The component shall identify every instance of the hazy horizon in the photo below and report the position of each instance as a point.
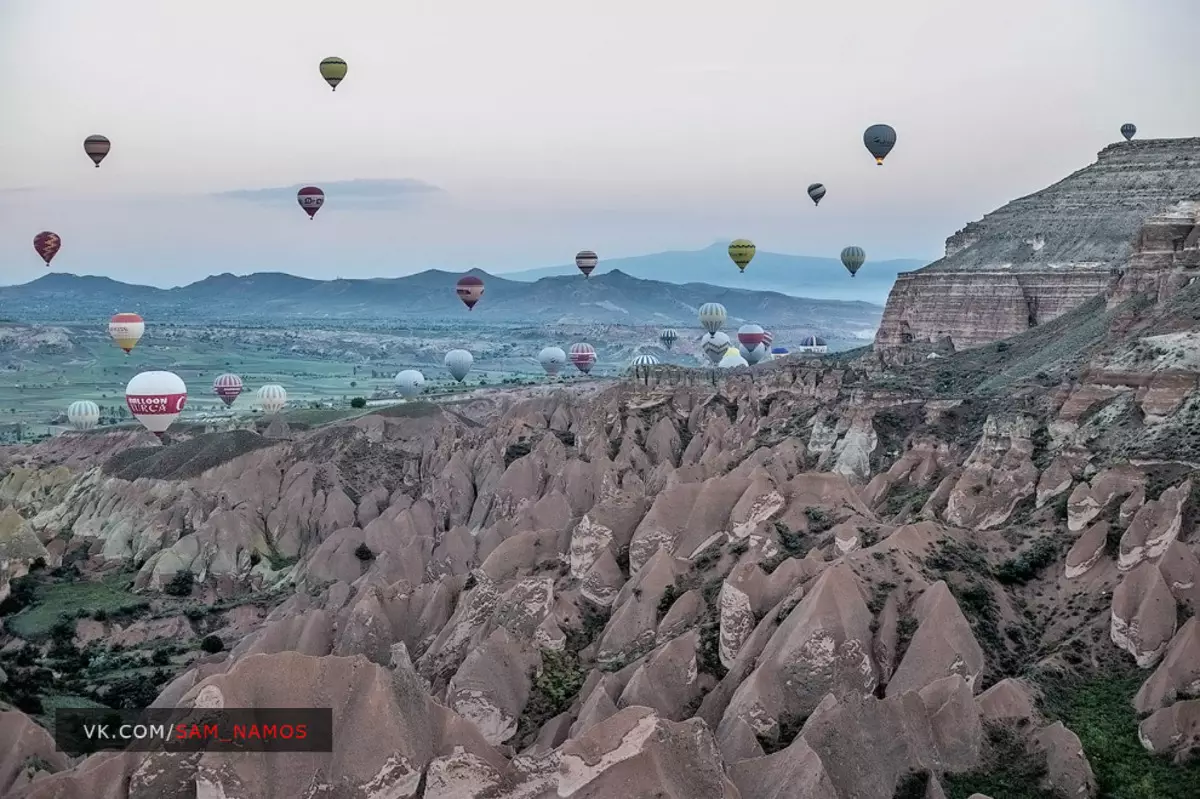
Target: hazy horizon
(544, 128)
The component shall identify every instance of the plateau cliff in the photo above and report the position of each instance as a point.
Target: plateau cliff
(1042, 255)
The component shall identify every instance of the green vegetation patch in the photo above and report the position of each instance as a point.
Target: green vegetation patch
(1098, 708)
(1009, 770)
(53, 601)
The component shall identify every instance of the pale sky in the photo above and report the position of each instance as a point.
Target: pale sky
(555, 125)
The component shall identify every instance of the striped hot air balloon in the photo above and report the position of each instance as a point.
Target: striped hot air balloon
(272, 397)
(768, 337)
(469, 289)
(741, 252)
(853, 258)
(714, 345)
(311, 199)
(83, 414)
(815, 192)
(47, 244)
(668, 337)
(126, 330)
(750, 335)
(586, 260)
(583, 356)
(712, 316)
(333, 70)
(228, 387)
(97, 148)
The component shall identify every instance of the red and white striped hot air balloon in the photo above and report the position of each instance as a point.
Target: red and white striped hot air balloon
(126, 330)
(311, 199)
(228, 387)
(156, 399)
(767, 338)
(583, 356)
(469, 289)
(750, 336)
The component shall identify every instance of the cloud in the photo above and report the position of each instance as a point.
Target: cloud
(359, 193)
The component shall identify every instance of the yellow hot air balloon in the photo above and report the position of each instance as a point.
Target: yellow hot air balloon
(741, 251)
(333, 70)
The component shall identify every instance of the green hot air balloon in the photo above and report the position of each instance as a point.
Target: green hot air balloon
(853, 258)
(333, 70)
(879, 140)
(742, 252)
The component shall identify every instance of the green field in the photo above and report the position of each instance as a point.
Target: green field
(55, 600)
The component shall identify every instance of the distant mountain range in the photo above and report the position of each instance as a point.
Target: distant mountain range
(610, 298)
(797, 275)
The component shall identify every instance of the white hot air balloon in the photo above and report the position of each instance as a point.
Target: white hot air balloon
(714, 345)
(409, 383)
(731, 358)
(156, 399)
(712, 316)
(552, 359)
(752, 355)
(459, 362)
(272, 397)
(83, 414)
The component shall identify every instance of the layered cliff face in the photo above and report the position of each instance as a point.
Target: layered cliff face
(1042, 255)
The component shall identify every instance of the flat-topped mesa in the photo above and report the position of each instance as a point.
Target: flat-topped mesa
(1042, 255)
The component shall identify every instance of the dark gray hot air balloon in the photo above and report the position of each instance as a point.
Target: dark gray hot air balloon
(816, 191)
(880, 139)
(853, 258)
(1129, 130)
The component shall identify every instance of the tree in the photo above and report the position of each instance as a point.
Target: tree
(212, 644)
(180, 585)
(353, 384)
(358, 402)
(364, 553)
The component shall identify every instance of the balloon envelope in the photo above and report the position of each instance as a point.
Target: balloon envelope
(272, 397)
(668, 337)
(712, 316)
(853, 258)
(1129, 130)
(47, 245)
(815, 192)
(96, 148)
(469, 289)
(459, 363)
(311, 199)
(583, 356)
(228, 387)
(552, 359)
(879, 140)
(126, 330)
(410, 382)
(752, 355)
(714, 345)
(83, 414)
(751, 335)
(333, 70)
(156, 399)
(586, 260)
(741, 252)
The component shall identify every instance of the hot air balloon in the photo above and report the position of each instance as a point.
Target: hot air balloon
(552, 359)
(96, 148)
(1129, 130)
(156, 399)
(333, 70)
(731, 358)
(459, 363)
(409, 383)
(469, 289)
(668, 337)
(47, 245)
(879, 140)
(583, 356)
(272, 397)
(816, 191)
(853, 258)
(228, 387)
(741, 251)
(83, 415)
(750, 335)
(714, 345)
(778, 352)
(752, 355)
(767, 337)
(643, 360)
(126, 330)
(586, 260)
(311, 199)
(712, 316)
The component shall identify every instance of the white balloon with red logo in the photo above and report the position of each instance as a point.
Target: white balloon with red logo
(156, 399)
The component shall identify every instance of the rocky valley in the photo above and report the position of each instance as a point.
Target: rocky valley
(936, 570)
